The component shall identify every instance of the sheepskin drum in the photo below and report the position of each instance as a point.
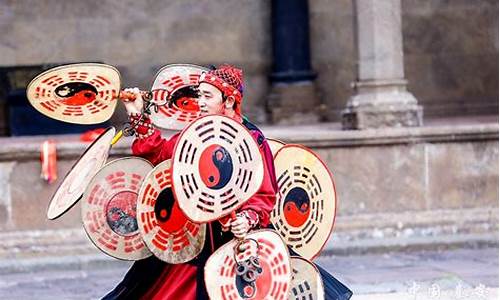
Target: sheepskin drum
(78, 93)
(216, 167)
(305, 208)
(167, 232)
(109, 208)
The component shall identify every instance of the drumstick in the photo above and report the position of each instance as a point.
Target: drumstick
(131, 96)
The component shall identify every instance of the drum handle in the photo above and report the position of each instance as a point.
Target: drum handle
(130, 96)
(233, 217)
(117, 137)
(242, 239)
(147, 96)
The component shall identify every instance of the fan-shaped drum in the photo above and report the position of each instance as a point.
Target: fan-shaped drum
(216, 167)
(78, 93)
(305, 208)
(109, 208)
(176, 84)
(221, 276)
(167, 232)
(306, 281)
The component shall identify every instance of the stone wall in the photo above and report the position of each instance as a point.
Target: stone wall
(451, 55)
(451, 47)
(414, 169)
(139, 37)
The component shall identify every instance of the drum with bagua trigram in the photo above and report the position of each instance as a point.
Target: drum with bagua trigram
(165, 229)
(222, 282)
(305, 207)
(109, 208)
(216, 167)
(74, 184)
(77, 93)
(306, 280)
(177, 85)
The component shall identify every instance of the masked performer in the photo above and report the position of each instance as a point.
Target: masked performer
(220, 92)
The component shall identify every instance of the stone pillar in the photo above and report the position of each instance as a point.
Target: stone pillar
(293, 98)
(381, 98)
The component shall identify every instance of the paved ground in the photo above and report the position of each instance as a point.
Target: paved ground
(453, 274)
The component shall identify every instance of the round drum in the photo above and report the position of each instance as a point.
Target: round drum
(216, 167)
(77, 93)
(305, 208)
(74, 184)
(177, 84)
(109, 208)
(166, 231)
(221, 279)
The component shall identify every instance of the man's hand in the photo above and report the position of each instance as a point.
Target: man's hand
(240, 226)
(134, 107)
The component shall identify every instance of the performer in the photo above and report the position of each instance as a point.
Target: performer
(220, 92)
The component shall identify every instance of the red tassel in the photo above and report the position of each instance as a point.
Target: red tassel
(48, 157)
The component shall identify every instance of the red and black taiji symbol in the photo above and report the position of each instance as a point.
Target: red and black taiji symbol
(169, 215)
(296, 207)
(185, 99)
(76, 93)
(215, 167)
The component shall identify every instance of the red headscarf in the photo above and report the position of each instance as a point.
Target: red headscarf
(229, 80)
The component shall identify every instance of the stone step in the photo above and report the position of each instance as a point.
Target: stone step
(474, 227)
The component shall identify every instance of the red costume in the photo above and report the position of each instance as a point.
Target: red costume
(179, 281)
(154, 279)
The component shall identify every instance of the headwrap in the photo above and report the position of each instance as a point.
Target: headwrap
(229, 80)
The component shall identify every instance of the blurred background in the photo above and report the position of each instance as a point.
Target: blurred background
(399, 98)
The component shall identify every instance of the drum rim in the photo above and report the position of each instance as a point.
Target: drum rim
(168, 66)
(71, 170)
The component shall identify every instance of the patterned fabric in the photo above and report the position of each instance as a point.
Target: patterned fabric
(142, 125)
(251, 216)
(229, 80)
(231, 75)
